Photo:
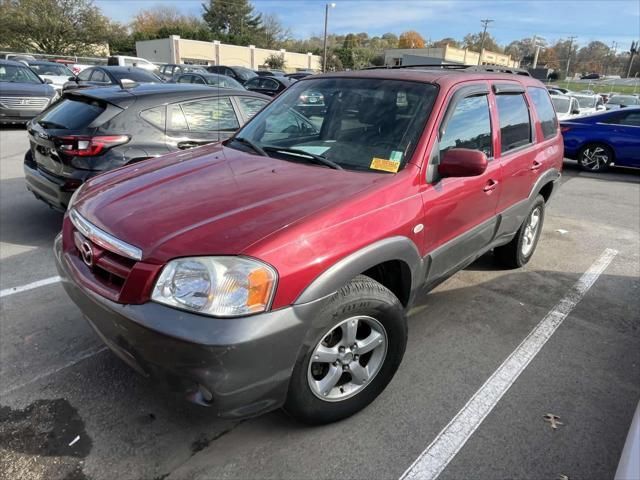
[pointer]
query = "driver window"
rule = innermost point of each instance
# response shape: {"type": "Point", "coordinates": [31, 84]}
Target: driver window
{"type": "Point", "coordinates": [288, 124]}
{"type": "Point", "coordinates": [84, 75]}
{"type": "Point", "coordinates": [469, 126]}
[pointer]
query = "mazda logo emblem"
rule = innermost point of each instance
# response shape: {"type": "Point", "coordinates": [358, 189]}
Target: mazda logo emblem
{"type": "Point", "coordinates": [87, 253]}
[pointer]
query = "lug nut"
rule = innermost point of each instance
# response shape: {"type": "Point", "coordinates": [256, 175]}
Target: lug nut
{"type": "Point", "coordinates": [341, 349]}
{"type": "Point", "coordinates": [345, 367]}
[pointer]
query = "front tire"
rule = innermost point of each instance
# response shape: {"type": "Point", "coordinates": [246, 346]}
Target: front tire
{"type": "Point", "coordinates": [519, 251]}
{"type": "Point", "coordinates": [351, 362]}
{"type": "Point", "coordinates": [595, 157]}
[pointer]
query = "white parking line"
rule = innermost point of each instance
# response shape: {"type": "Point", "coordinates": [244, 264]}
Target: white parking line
{"type": "Point", "coordinates": [435, 458]}
{"type": "Point", "coordinates": [29, 286]}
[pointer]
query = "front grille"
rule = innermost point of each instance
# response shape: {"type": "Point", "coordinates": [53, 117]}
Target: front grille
{"type": "Point", "coordinates": [24, 103]}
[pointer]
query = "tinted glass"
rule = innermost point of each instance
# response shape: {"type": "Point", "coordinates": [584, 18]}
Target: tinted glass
{"type": "Point", "coordinates": [545, 111]}
{"type": "Point", "coordinates": [586, 102]}
{"type": "Point", "coordinates": [631, 119]}
{"type": "Point", "coordinates": [85, 74]}
{"type": "Point", "coordinates": [624, 100]}
{"type": "Point", "coordinates": [515, 126]}
{"type": "Point", "coordinates": [211, 114]}
{"type": "Point", "coordinates": [269, 84]}
{"type": "Point", "coordinates": [71, 114]}
{"type": "Point", "coordinates": [135, 74]}
{"type": "Point", "coordinates": [223, 81]}
{"type": "Point", "coordinates": [469, 126]}
{"type": "Point", "coordinates": [250, 106]}
{"type": "Point", "coordinates": [253, 83]}
{"type": "Point", "coordinates": [52, 69]}
{"type": "Point", "coordinates": [100, 76]}
{"type": "Point", "coordinates": [176, 120]}
{"type": "Point", "coordinates": [184, 79]}
{"type": "Point", "coordinates": [197, 79]}
{"type": "Point", "coordinates": [155, 116]}
{"type": "Point", "coordinates": [362, 124]}
{"type": "Point", "coordinates": [245, 73]}
{"type": "Point", "coordinates": [12, 73]}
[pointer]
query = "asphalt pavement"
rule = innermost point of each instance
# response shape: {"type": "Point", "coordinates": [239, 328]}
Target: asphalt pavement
{"type": "Point", "coordinates": [69, 409]}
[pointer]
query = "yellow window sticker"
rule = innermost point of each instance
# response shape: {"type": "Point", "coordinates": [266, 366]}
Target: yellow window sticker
{"type": "Point", "coordinates": [385, 165]}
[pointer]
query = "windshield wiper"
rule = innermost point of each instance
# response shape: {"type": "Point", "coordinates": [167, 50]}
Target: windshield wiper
{"type": "Point", "coordinates": [318, 159]}
{"type": "Point", "coordinates": [250, 144]}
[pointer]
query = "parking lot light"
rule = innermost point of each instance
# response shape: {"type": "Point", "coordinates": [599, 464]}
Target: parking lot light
{"type": "Point", "coordinates": [326, 20]}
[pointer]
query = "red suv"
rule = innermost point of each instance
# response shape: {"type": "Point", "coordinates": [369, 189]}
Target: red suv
{"type": "Point", "coordinates": [275, 268]}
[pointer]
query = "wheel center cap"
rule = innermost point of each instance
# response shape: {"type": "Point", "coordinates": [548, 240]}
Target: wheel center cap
{"type": "Point", "coordinates": [347, 357]}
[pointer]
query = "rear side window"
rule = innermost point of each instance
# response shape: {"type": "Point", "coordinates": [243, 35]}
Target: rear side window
{"type": "Point", "coordinates": [544, 108]}
{"type": "Point", "coordinates": [72, 114]}
{"type": "Point", "coordinates": [250, 106]}
{"type": "Point", "coordinates": [211, 114]}
{"type": "Point", "coordinates": [184, 79]}
{"type": "Point", "coordinates": [99, 76]}
{"type": "Point", "coordinates": [155, 116]}
{"type": "Point", "coordinates": [515, 124]}
{"type": "Point", "coordinates": [85, 74]}
{"type": "Point", "coordinates": [631, 119]}
{"type": "Point", "coordinates": [469, 126]}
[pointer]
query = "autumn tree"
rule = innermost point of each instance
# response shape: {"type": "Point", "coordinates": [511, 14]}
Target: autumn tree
{"type": "Point", "coordinates": [473, 41]}
{"type": "Point", "coordinates": [411, 39]}
{"type": "Point", "coordinates": [71, 27]}
{"type": "Point", "coordinates": [446, 41]}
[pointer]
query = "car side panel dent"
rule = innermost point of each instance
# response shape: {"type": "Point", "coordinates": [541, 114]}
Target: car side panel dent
{"type": "Point", "coordinates": [393, 248]}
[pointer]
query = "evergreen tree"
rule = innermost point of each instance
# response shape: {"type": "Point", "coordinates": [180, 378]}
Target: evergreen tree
{"type": "Point", "coordinates": [233, 22]}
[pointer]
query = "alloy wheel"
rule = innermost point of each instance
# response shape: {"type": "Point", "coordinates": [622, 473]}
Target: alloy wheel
{"type": "Point", "coordinates": [347, 358]}
{"type": "Point", "coordinates": [531, 231]}
{"type": "Point", "coordinates": [595, 158]}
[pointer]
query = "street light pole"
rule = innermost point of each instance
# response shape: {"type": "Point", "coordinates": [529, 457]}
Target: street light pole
{"type": "Point", "coordinates": [326, 21]}
{"type": "Point", "coordinates": [566, 73]}
{"type": "Point", "coordinates": [485, 22]}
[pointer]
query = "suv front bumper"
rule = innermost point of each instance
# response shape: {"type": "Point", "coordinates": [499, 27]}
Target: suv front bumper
{"type": "Point", "coordinates": [239, 366]}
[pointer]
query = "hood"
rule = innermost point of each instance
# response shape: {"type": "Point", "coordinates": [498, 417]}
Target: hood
{"type": "Point", "coordinates": [26, 89]}
{"type": "Point", "coordinates": [57, 79]}
{"type": "Point", "coordinates": [211, 200]}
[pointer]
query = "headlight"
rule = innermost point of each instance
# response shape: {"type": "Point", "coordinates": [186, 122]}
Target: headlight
{"type": "Point", "coordinates": [216, 286]}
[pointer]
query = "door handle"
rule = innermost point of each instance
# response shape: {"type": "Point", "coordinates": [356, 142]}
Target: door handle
{"type": "Point", "coordinates": [536, 165]}
{"type": "Point", "coordinates": [490, 186]}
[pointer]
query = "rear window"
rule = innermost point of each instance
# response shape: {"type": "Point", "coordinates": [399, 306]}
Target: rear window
{"type": "Point", "coordinates": [135, 74]}
{"type": "Point", "coordinates": [544, 108]}
{"type": "Point", "coordinates": [515, 125]}
{"type": "Point", "coordinates": [72, 114]}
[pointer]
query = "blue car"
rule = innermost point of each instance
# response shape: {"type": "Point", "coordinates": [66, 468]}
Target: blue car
{"type": "Point", "coordinates": [603, 139]}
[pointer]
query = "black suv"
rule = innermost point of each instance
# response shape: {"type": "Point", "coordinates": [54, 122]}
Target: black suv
{"type": "Point", "coordinates": [94, 130]}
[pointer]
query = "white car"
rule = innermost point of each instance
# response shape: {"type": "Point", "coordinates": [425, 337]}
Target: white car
{"type": "Point", "coordinates": [589, 103]}
{"type": "Point", "coordinates": [566, 106]}
{"type": "Point", "coordinates": [125, 61]}
{"type": "Point", "coordinates": [57, 73]}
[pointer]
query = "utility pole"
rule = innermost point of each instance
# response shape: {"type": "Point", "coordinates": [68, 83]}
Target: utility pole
{"type": "Point", "coordinates": [611, 56]}
{"type": "Point", "coordinates": [566, 73]}
{"type": "Point", "coordinates": [633, 50]}
{"type": "Point", "coordinates": [326, 21]}
{"type": "Point", "coordinates": [485, 22]}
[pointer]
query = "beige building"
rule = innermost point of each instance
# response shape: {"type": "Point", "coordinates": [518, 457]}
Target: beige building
{"type": "Point", "coordinates": [179, 50]}
{"type": "Point", "coordinates": [448, 54]}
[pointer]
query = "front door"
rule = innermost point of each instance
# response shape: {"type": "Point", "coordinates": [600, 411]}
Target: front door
{"type": "Point", "coordinates": [460, 212]}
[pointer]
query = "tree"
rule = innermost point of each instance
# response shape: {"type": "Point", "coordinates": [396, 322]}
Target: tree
{"type": "Point", "coordinates": [275, 61]}
{"type": "Point", "coordinates": [410, 39]}
{"type": "Point", "coordinates": [274, 34]}
{"type": "Point", "coordinates": [390, 39]}
{"type": "Point", "coordinates": [446, 41]}
{"type": "Point", "coordinates": [593, 57]}
{"type": "Point", "coordinates": [162, 21]}
{"type": "Point", "coordinates": [473, 41]}
{"type": "Point", "coordinates": [63, 27]}
{"type": "Point", "coordinates": [233, 22]}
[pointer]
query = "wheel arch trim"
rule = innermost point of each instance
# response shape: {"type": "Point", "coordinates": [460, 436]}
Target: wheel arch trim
{"type": "Point", "coordinates": [397, 248]}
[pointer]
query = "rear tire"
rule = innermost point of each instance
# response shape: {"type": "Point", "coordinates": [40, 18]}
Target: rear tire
{"type": "Point", "coordinates": [343, 370]}
{"type": "Point", "coordinates": [595, 157]}
{"type": "Point", "coordinates": [519, 251]}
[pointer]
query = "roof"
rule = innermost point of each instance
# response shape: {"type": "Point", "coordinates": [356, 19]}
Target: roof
{"type": "Point", "coordinates": [170, 91]}
{"type": "Point", "coordinates": [12, 62]}
{"type": "Point", "coordinates": [43, 62]}
{"type": "Point", "coordinates": [434, 75]}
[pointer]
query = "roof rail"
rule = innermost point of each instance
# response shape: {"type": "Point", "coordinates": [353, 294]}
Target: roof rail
{"type": "Point", "coordinates": [453, 66]}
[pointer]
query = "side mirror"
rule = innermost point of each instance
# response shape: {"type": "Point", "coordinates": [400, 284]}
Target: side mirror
{"type": "Point", "coordinates": [462, 162]}
{"type": "Point", "coordinates": [73, 79]}
{"type": "Point", "coordinates": [48, 81]}
{"type": "Point", "coordinates": [575, 111]}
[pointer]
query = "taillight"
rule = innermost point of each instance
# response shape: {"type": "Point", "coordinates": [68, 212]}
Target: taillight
{"type": "Point", "coordinates": [81, 146]}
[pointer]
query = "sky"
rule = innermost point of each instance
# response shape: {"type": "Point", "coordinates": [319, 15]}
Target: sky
{"type": "Point", "coordinates": [605, 20]}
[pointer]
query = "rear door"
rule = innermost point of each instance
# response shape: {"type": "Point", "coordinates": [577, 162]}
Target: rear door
{"type": "Point", "coordinates": [460, 213]}
{"type": "Point", "coordinates": [623, 133]}
{"type": "Point", "coordinates": [198, 122]}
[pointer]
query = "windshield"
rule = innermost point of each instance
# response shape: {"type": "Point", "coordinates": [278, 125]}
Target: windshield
{"type": "Point", "coordinates": [358, 124]}
{"type": "Point", "coordinates": [561, 104]}
{"type": "Point", "coordinates": [624, 100]}
{"type": "Point", "coordinates": [586, 102]}
{"type": "Point", "coordinates": [222, 81]}
{"type": "Point", "coordinates": [17, 74]}
{"type": "Point", "coordinates": [52, 69]}
{"type": "Point", "coordinates": [136, 75]}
